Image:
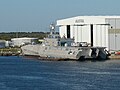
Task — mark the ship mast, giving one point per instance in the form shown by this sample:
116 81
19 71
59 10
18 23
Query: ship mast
52 29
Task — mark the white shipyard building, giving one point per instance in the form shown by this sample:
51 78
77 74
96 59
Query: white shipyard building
23 41
97 31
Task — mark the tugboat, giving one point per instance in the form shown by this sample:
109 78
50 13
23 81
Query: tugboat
56 48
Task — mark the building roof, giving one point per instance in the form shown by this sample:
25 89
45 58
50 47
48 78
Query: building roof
22 38
84 20
2 40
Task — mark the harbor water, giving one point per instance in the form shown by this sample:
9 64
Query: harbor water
18 73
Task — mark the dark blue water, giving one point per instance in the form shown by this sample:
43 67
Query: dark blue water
17 73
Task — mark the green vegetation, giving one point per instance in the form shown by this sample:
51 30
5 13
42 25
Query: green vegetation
9 51
9 35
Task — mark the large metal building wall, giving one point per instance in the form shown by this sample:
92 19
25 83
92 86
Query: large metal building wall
81 27
114 32
77 32
100 35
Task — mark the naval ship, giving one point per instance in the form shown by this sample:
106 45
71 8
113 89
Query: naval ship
55 47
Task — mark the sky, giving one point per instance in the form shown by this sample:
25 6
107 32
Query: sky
37 15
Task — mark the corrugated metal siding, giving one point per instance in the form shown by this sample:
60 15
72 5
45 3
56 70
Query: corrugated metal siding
103 35
114 41
100 35
114 33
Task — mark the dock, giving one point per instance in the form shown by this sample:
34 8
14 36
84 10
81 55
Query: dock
116 57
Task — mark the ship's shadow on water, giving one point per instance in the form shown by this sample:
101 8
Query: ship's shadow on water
93 60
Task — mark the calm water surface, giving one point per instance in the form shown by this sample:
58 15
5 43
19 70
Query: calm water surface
17 73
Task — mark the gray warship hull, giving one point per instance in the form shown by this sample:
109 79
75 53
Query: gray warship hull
57 52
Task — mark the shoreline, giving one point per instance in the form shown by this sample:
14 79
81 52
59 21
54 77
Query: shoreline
116 57
112 57
17 52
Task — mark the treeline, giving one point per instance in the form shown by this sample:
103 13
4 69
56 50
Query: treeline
9 35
